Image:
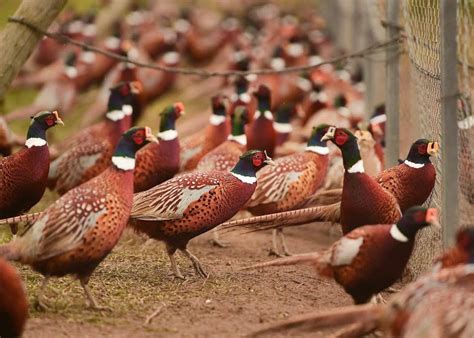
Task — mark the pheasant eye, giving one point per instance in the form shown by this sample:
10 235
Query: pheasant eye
422 149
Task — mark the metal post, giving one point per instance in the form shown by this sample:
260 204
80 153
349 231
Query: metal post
449 146
392 103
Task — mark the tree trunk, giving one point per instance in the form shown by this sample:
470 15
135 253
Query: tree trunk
18 41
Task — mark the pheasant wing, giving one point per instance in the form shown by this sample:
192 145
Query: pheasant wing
170 199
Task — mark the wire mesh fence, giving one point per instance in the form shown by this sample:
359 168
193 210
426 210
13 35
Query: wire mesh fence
420 97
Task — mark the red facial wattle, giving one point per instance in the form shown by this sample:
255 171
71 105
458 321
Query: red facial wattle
422 148
341 139
257 162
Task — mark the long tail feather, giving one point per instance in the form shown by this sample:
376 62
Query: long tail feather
324 198
305 258
327 213
367 316
20 218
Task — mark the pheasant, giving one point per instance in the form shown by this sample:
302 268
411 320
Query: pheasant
157 83
90 152
23 175
337 115
377 125
157 163
363 200
121 72
411 182
293 178
241 97
438 304
367 145
198 145
13 303
75 233
188 205
461 253
370 258
314 101
225 156
59 94
282 125
260 132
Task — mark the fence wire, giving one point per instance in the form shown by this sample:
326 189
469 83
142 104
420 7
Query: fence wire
465 115
420 91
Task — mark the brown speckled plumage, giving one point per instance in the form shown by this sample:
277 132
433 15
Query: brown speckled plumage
223 158
74 234
289 183
221 197
24 174
368 259
158 162
90 152
197 145
188 205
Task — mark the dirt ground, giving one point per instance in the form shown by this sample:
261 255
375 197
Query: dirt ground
135 281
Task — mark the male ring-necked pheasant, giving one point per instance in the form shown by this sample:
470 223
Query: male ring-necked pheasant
158 162
370 258
291 181
439 304
91 151
13 303
364 201
75 233
188 205
411 181
199 144
23 175
225 156
260 131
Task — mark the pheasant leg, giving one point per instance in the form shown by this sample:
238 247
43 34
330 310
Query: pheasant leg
196 264
170 250
39 301
280 233
274 249
92 302
174 267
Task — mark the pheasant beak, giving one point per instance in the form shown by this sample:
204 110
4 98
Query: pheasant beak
329 134
149 136
136 87
432 217
268 159
433 148
58 119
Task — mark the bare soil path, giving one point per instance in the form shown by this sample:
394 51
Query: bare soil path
135 282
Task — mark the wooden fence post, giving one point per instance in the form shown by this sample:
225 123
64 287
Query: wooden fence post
392 103
449 97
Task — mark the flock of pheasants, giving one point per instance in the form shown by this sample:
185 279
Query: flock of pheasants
328 166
